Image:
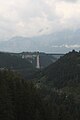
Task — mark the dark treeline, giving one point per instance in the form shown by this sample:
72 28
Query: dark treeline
53 95
13 62
64 72
16 63
19 99
60 87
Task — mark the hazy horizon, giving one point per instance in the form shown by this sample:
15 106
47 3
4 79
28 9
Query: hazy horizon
50 24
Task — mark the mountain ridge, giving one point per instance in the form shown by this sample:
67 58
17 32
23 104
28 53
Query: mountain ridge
64 72
63 41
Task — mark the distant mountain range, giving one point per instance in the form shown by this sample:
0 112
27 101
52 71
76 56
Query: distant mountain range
60 42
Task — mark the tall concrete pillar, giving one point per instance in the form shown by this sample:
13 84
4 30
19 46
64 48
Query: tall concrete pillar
38 62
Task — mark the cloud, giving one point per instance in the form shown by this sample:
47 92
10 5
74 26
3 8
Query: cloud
70 0
75 46
72 46
28 17
58 46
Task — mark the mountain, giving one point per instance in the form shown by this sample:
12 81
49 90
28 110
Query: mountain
26 62
64 72
59 86
60 42
15 63
45 59
55 94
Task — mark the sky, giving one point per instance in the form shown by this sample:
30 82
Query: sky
37 17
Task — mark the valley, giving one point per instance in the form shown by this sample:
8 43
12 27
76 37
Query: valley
48 93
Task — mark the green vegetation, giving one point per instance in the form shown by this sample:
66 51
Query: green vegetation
26 67
19 99
53 94
13 62
59 86
16 63
64 72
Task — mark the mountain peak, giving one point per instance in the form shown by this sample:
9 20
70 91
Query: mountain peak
65 71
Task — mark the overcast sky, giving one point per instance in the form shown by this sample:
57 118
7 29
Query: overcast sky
36 17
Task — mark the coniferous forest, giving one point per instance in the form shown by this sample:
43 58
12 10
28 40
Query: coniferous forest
52 94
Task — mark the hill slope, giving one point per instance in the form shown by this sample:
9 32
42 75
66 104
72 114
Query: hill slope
16 63
25 62
59 85
13 62
65 72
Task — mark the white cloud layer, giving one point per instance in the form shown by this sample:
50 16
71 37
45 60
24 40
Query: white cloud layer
37 17
67 46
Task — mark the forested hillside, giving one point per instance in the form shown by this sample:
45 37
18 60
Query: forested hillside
16 63
19 100
64 72
13 62
53 94
26 66
59 85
